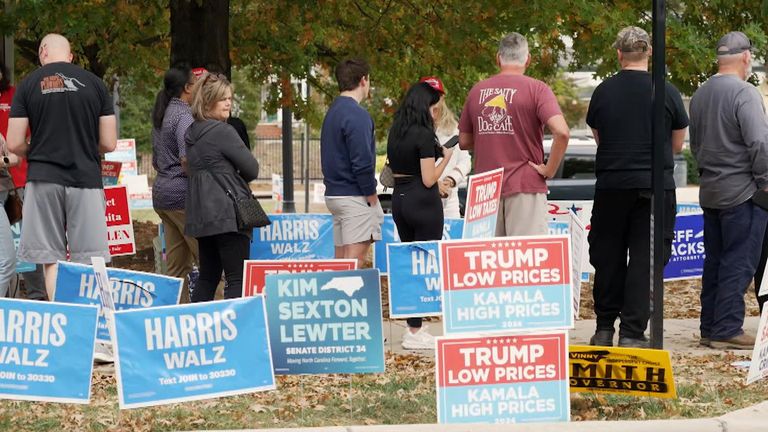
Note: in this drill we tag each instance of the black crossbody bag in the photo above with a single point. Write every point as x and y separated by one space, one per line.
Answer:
248 211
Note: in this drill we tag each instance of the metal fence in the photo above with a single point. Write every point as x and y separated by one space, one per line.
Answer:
269 153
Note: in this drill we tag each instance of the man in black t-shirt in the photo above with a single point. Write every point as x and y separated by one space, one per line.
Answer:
620 117
72 122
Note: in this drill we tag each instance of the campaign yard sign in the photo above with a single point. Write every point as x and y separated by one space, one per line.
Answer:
294 236
687 259
325 322
110 172
256 271
483 195
629 371
507 378
758 367
119 224
125 152
46 351
578 254
452 229
190 352
414 280
76 283
499 284
21 266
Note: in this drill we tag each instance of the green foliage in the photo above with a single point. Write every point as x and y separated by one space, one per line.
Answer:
137 98
692 166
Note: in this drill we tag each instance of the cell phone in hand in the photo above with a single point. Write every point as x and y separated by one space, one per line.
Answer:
452 142
760 199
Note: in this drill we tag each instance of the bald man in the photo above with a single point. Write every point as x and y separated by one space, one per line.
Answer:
72 122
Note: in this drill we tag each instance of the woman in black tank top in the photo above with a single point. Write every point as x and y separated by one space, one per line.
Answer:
412 149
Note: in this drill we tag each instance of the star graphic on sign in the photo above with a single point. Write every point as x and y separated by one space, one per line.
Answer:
574 209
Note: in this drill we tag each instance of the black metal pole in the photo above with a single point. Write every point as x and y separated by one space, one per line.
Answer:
657 176
306 157
289 206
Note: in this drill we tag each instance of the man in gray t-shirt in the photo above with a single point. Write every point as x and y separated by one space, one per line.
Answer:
729 138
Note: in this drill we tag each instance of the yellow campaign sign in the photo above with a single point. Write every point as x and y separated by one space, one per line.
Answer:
628 371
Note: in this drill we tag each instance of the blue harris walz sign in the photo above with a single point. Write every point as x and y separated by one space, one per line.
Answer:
452 229
192 352
687 259
294 236
76 283
46 351
414 280
325 322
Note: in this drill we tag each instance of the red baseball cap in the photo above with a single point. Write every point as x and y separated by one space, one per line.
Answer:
198 72
434 82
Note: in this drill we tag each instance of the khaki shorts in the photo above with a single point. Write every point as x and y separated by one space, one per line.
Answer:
354 221
57 217
522 214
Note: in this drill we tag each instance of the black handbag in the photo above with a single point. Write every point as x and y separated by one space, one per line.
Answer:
248 211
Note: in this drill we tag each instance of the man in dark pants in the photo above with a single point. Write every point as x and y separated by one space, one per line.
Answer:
620 117
729 138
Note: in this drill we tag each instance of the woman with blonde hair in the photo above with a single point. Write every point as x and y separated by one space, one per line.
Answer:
457 170
219 168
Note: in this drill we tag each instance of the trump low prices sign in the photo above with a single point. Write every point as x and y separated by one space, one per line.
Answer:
46 351
191 352
76 283
326 322
256 271
414 280
509 378
483 195
452 229
119 224
758 367
294 236
506 283
640 372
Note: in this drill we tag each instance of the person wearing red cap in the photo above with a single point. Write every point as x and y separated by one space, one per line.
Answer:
503 121
455 173
412 150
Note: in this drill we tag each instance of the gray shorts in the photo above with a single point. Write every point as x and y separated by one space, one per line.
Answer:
522 214
354 221
57 218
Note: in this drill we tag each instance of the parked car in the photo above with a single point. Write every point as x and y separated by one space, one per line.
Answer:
574 179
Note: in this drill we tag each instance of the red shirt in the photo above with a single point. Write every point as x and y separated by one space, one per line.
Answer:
18 172
506 116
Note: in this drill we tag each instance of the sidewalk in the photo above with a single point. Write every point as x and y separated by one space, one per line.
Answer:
680 335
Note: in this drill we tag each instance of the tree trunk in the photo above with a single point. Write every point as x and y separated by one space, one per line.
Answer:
200 34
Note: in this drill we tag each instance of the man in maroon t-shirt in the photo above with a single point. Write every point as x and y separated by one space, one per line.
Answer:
503 121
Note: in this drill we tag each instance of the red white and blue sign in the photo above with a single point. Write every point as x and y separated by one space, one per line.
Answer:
46 351
191 352
414 280
483 196
507 378
452 229
255 271
326 322
294 236
506 283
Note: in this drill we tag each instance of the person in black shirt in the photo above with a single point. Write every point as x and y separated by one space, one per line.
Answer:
70 114
620 117
412 149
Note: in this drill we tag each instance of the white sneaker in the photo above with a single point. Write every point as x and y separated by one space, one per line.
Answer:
419 340
103 353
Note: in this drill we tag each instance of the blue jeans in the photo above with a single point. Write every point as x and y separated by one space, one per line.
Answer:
732 240
7 249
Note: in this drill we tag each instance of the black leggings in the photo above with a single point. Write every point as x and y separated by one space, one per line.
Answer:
219 252
418 214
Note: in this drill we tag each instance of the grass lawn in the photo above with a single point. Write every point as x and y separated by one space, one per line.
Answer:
707 386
